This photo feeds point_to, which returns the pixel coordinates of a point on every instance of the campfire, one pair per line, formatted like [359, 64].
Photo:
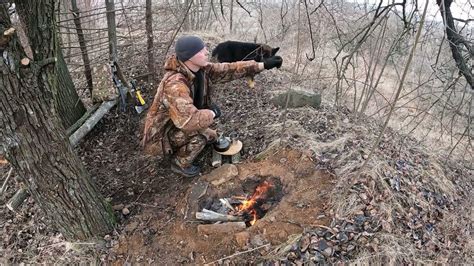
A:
[247, 209]
[253, 206]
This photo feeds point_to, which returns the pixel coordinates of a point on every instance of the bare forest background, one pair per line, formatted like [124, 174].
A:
[355, 54]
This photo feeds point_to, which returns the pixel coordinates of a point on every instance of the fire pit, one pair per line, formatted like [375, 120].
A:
[255, 198]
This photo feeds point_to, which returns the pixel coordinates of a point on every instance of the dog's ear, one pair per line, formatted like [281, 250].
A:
[275, 50]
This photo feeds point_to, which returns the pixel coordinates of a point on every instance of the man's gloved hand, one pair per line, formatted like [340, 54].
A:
[216, 110]
[271, 62]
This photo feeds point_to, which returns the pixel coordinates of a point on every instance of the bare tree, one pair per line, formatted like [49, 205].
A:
[149, 36]
[456, 41]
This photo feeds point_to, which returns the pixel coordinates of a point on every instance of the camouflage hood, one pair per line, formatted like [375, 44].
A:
[174, 65]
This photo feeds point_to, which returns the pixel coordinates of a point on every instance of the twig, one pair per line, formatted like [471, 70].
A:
[2, 190]
[250, 15]
[238, 254]
[324, 227]
[310, 58]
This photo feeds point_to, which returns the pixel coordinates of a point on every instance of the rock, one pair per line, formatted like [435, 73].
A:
[118, 207]
[304, 243]
[342, 237]
[198, 190]
[223, 228]
[317, 257]
[242, 238]
[298, 98]
[328, 252]
[322, 245]
[222, 174]
[350, 248]
[125, 211]
[256, 240]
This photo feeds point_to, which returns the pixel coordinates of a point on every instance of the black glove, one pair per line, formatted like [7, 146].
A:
[271, 62]
[216, 110]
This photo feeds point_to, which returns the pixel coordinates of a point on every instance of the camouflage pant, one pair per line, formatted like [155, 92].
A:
[186, 148]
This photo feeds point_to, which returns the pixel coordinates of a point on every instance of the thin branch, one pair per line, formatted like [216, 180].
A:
[250, 15]
[400, 86]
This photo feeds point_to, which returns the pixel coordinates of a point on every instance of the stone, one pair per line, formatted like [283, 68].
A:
[328, 252]
[257, 240]
[222, 174]
[198, 190]
[118, 207]
[223, 228]
[298, 98]
[125, 211]
[242, 238]
[342, 237]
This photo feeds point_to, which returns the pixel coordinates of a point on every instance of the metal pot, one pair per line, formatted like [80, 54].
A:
[222, 144]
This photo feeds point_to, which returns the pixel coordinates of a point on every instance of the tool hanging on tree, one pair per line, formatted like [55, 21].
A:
[127, 93]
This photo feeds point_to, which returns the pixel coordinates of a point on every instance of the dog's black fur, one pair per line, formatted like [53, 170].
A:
[232, 51]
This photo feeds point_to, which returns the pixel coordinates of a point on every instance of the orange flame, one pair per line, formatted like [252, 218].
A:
[248, 205]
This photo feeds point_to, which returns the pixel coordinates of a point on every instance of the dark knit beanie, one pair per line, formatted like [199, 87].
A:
[187, 47]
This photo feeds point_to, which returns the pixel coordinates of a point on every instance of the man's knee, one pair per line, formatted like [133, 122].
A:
[197, 141]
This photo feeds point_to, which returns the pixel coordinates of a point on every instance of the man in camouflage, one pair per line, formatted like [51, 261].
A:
[179, 118]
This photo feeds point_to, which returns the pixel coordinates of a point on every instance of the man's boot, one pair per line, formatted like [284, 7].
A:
[183, 162]
[189, 171]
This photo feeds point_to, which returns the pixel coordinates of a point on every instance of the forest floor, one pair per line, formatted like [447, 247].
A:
[407, 205]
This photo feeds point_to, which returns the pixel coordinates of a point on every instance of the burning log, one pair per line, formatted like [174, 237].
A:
[211, 216]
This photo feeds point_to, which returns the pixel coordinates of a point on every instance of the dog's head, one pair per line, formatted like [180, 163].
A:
[268, 51]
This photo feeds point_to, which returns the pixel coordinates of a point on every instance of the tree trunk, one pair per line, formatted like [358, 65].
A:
[31, 135]
[112, 29]
[231, 15]
[83, 45]
[67, 102]
[149, 35]
[456, 41]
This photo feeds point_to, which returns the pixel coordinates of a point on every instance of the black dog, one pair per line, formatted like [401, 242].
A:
[232, 51]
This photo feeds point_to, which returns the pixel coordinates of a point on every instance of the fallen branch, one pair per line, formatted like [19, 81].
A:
[17, 199]
[211, 216]
[4, 186]
[238, 253]
[91, 122]
[81, 120]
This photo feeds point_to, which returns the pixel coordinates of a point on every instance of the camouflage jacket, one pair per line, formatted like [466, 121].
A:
[174, 101]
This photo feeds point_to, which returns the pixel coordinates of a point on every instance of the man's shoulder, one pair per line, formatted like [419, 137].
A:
[176, 84]
[177, 77]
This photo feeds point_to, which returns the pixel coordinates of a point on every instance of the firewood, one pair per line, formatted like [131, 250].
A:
[211, 216]
[223, 228]
[91, 122]
[14, 203]
[216, 159]
[25, 61]
[9, 32]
